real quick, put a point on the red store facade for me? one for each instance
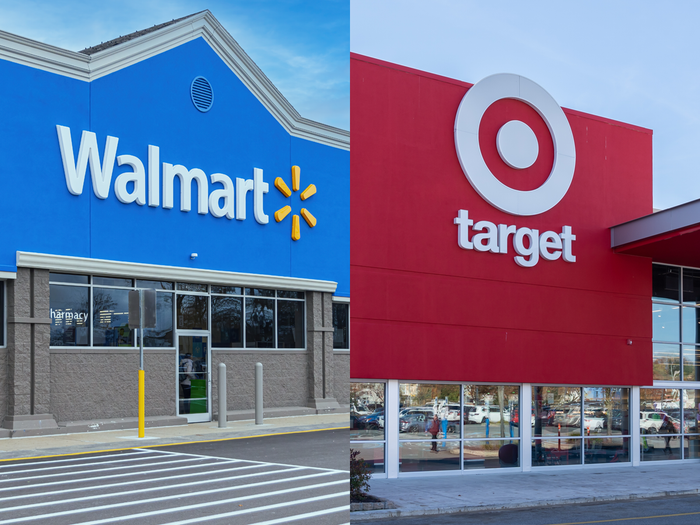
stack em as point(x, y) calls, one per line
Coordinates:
point(504, 256)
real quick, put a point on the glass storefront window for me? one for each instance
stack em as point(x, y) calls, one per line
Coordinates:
point(232, 290)
point(162, 335)
point(606, 411)
point(691, 325)
point(367, 411)
point(665, 281)
point(226, 322)
point(110, 318)
point(192, 312)
point(290, 324)
point(691, 363)
point(155, 285)
point(691, 286)
point(192, 287)
point(70, 312)
point(491, 411)
point(68, 278)
point(667, 360)
point(113, 281)
point(554, 452)
point(260, 323)
point(660, 423)
point(666, 323)
point(494, 453)
point(372, 454)
point(422, 456)
point(341, 322)
point(260, 292)
point(286, 294)
point(556, 411)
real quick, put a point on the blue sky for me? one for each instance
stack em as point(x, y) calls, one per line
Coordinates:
point(634, 61)
point(301, 45)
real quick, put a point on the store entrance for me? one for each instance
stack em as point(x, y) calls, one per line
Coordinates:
point(194, 376)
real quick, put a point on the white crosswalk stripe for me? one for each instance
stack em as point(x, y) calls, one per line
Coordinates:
point(159, 487)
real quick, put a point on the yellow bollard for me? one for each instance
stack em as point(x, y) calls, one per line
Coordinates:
point(142, 403)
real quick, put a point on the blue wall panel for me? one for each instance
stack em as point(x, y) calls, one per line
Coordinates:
point(145, 104)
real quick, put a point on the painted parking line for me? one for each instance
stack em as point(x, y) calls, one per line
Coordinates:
point(141, 495)
point(631, 518)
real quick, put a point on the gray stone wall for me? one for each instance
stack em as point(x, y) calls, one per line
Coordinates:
point(97, 384)
point(341, 371)
point(3, 384)
point(285, 378)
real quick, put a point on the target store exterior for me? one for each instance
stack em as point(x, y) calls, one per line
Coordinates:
point(504, 261)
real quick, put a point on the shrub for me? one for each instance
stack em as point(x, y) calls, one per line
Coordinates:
point(359, 475)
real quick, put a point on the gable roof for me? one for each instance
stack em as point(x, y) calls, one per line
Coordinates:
point(98, 61)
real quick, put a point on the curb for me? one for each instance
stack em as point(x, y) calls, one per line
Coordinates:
point(399, 513)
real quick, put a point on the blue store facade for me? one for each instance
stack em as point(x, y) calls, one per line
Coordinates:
point(165, 160)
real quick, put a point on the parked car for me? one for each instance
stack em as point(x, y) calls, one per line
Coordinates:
point(650, 422)
point(481, 412)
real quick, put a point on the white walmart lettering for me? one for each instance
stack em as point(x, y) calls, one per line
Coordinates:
point(220, 202)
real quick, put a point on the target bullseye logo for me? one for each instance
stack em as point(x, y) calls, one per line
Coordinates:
point(517, 145)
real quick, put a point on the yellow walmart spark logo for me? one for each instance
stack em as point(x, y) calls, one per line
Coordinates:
point(283, 212)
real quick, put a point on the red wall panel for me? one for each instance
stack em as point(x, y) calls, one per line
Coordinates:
point(423, 308)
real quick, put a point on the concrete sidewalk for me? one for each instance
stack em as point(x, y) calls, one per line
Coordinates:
point(23, 447)
point(442, 494)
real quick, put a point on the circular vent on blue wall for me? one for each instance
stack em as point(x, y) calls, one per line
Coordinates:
point(202, 94)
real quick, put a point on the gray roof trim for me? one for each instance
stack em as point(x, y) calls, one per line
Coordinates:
point(664, 221)
point(85, 67)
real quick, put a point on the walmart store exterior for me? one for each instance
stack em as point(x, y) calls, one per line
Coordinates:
point(167, 161)
point(511, 283)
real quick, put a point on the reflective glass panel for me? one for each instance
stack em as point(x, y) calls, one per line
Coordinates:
point(372, 454)
point(260, 323)
point(192, 374)
point(691, 363)
point(233, 290)
point(113, 281)
point(290, 295)
point(691, 324)
point(226, 322)
point(606, 411)
point(496, 453)
point(421, 403)
point(666, 322)
point(192, 312)
point(110, 317)
point(341, 334)
point(491, 411)
point(606, 450)
point(155, 285)
point(556, 411)
point(691, 410)
point(424, 456)
point(692, 447)
point(162, 335)
point(69, 312)
point(556, 452)
point(192, 287)
point(290, 324)
point(665, 281)
point(260, 292)
point(67, 278)
point(660, 447)
point(691, 286)
point(367, 411)
point(667, 359)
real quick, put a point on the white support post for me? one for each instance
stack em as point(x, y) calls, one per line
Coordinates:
point(525, 428)
point(391, 425)
point(635, 438)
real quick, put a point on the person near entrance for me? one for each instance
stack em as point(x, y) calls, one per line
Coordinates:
point(186, 376)
point(433, 430)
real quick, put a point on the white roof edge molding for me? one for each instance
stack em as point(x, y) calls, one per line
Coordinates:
point(664, 221)
point(79, 66)
point(83, 265)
